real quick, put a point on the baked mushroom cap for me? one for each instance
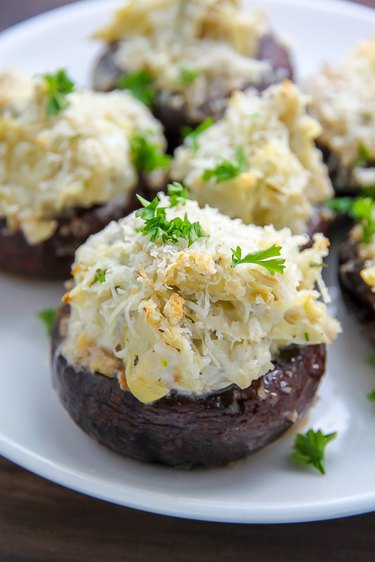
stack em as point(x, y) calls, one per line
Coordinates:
point(71, 161)
point(259, 162)
point(343, 101)
point(168, 40)
point(182, 430)
point(176, 305)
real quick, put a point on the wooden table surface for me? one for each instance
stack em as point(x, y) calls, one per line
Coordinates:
point(43, 522)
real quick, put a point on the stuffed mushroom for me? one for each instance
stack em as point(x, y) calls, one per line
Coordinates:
point(71, 161)
point(343, 100)
point(188, 338)
point(259, 162)
point(357, 265)
point(186, 57)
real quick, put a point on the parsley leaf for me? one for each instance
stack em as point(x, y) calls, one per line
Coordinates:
point(146, 155)
point(100, 275)
point(177, 193)
point(227, 169)
point(317, 264)
point(188, 75)
point(309, 448)
point(47, 316)
point(360, 209)
point(59, 85)
point(158, 226)
point(306, 336)
point(362, 213)
point(140, 84)
point(263, 258)
point(191, 136)
point(371, 396)
point(364, 156)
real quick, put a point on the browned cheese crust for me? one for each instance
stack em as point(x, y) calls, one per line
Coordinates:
point(184, 430)
point(106, 74)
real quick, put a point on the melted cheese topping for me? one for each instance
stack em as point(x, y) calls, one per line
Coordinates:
point(343, 100)
point(217, 38)
point(178, 317)
point(284, 176)
point(78, 158)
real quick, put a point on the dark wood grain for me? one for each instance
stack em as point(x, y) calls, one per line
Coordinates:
point(43, 522)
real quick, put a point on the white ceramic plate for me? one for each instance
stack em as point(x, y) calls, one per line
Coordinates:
point(36, 432)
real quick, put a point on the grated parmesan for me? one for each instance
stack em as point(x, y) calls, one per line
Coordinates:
point(343, 100)
point(219, 39)
point(284, 177)
point(178, 317)
point(78, 158)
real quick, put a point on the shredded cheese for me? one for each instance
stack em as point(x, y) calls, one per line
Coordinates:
point(284, 177)
point(343, 101)
point(219, 39)
point(78, 158)
point(179, 317)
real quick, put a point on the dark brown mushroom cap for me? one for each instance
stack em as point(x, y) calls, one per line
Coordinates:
point(53, 258)
point(186, 430)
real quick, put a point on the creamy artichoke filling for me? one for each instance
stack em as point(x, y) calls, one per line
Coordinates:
point(212, 42)
point(79, 157)
point(281, 178)
point(343, 100)
point(163, 316)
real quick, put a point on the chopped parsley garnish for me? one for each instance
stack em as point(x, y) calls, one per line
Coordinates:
point(371, 396)
point(100, 275)
point(227, 169)
point(177, 193)
point(306, 336)
point(191, 136)
point(140, 84)
point(266, 258)
point(188, 75)
point(360, 209)
point(364, 155)
point(158, 226)
point(309, 448)
point(59, 85)
point(317, 264)
point(47, 316)
point(146, 155)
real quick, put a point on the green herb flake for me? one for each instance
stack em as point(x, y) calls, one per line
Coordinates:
point(188, 75)
point(306, 336)
point(100, 276)
point(191, 136)
point(226, 170)
point(47, 316)
point(177, 194)
point(317, 264)
point(59, 85)
point(158, 226)
point(371, 396)
point(364, 156)
point(309, 448)
point(266, 258)
point(371, 359)
point(140, 84)
point(360, 209)
point(146, 155)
